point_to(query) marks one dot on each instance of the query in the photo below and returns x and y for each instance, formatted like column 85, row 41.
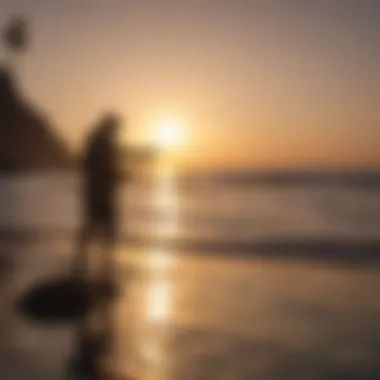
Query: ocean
column 235, row 211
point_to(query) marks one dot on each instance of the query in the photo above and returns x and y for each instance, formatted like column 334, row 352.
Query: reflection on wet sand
column 158, row 312
column 226, row 318
column 158, row 302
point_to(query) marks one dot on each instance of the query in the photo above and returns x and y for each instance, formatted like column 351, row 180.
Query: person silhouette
column 101, row 176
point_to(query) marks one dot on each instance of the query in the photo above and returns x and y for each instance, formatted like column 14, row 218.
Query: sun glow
column 169, row 134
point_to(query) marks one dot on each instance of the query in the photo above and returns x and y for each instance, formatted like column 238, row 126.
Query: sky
column 255, row 84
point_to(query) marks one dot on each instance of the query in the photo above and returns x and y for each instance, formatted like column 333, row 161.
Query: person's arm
column 140, row 155
column 131, row 158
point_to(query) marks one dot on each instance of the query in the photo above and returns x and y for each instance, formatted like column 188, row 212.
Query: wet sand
column 189, row 316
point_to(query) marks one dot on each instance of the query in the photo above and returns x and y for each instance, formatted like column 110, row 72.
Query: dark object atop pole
column 15, row 36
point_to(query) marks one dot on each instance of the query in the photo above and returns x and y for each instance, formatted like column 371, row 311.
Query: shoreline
column 354, row 251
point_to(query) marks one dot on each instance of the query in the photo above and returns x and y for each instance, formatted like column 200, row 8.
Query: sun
column 169, row 134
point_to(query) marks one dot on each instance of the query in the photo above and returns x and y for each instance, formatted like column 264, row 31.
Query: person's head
column 109, row 125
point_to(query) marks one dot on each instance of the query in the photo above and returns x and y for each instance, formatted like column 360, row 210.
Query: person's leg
column 80, row 262
column 109, row 254
column 109, row 250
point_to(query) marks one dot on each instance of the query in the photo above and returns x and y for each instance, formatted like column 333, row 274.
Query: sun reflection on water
column 158, row 300
column 165, row 200
column 161, row 259
column 159, row 291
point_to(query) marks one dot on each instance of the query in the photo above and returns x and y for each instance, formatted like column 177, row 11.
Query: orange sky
column 255, row 84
